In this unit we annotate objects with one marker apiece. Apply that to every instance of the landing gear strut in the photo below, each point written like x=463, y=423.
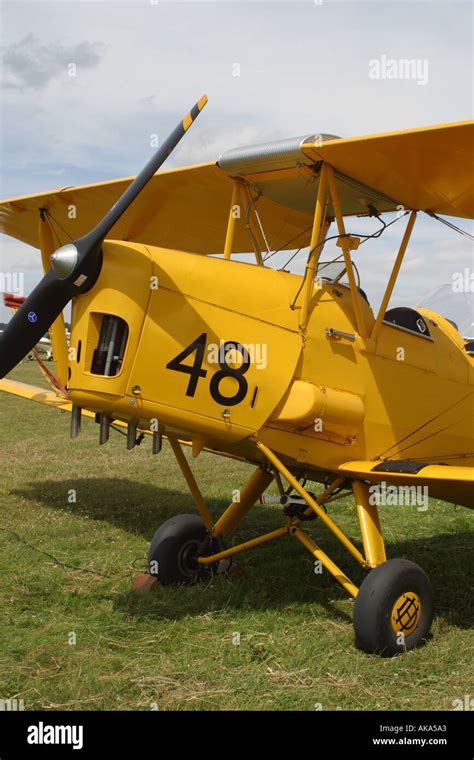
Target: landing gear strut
x=393, y=608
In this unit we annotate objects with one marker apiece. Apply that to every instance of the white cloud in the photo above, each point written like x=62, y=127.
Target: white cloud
x=29, y=63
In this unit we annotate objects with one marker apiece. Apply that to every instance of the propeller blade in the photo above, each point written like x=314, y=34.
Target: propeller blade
x=106, y=224
x=76, y=266
x=32, y=320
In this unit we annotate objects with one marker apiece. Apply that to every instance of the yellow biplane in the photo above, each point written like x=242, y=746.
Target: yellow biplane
x=295, y=374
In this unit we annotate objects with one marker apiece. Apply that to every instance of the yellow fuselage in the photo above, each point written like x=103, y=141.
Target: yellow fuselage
x=318, y=401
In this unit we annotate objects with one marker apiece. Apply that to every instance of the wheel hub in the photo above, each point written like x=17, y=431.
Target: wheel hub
x=406, y=613
x=187, y=560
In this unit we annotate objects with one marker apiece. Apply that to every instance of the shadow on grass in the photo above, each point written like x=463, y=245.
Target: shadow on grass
x=284, y=573
x=134, y=506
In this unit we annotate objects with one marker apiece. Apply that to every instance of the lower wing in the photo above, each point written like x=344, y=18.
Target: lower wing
x=446, y=482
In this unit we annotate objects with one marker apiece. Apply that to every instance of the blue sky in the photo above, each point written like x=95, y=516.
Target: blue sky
x=304, y=68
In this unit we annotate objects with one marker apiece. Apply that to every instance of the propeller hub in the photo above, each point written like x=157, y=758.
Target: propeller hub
x=64, y=260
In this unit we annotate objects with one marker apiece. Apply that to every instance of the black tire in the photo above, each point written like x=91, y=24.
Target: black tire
x=393, y=610
x=172, y=557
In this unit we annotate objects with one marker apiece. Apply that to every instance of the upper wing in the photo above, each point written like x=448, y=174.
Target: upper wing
x=185, y=209
x=428, y=169
x=446, y=482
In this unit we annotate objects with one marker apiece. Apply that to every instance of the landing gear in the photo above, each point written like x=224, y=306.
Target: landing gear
x=175, y=548
x=393, y=609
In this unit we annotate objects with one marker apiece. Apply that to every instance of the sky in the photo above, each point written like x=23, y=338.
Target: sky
x=302, y=68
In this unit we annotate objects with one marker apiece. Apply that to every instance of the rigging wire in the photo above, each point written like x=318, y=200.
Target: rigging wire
x=385, y=453
x=450, y=225
x=278, y=250
x=51, y=217
x=364, y=239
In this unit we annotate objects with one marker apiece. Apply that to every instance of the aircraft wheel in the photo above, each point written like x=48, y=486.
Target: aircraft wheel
x=393, y=610
x=174, y=550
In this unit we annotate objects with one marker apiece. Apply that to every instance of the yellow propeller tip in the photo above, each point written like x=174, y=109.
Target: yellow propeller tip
x=195, y=111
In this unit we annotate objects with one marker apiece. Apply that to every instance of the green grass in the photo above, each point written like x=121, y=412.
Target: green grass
x=173, y=647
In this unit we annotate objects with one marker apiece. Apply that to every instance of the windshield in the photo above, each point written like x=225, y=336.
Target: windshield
x=458, y=307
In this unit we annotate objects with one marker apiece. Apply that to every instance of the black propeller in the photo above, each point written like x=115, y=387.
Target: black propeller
x=76, y=266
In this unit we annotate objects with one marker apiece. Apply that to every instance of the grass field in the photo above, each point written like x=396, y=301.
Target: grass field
x=66, y=571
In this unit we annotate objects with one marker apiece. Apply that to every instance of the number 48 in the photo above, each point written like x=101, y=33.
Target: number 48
x=195, y=371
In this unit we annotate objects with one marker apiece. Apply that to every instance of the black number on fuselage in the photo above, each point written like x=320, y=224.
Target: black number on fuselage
x=195, y=371
x=226, y=371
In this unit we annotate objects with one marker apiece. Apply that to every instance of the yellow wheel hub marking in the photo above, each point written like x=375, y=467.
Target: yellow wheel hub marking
x=406, y=613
